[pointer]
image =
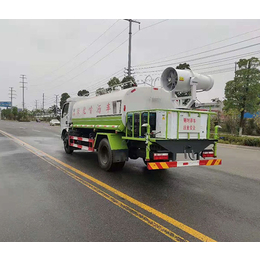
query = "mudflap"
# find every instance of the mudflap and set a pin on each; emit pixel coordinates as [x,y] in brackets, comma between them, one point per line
[120,155]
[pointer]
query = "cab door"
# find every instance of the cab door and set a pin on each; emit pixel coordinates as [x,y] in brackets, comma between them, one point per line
[64,123]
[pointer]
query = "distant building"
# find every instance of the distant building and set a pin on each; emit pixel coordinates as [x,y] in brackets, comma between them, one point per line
[215,106]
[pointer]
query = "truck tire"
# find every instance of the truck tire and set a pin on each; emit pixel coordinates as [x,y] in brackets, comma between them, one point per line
[105,157]
[68,149]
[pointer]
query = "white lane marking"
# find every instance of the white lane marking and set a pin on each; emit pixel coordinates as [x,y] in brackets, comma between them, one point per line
[21,127]
[36,130]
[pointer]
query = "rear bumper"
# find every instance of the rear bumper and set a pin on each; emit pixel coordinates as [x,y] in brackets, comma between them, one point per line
[167,165]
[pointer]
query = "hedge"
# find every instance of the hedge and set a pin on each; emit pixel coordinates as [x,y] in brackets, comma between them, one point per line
[239,140]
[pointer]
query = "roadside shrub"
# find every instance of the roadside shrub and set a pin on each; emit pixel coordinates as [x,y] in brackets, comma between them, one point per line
[251,141]
[239,140]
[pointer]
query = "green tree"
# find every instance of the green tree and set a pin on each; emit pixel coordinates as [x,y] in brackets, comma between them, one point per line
[231,121]
[7,114]
[15,112]
[37,112]
[83,92]
[243,92]
[183,66]
[23,116]
[112,82]
[53,109]
[129,85]
[101,91]
[64,97]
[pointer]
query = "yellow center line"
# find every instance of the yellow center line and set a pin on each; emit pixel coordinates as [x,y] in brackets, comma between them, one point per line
[147,208]
[120,204]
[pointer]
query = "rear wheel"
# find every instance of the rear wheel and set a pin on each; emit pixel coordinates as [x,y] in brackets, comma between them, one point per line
[68,149]
[105,157]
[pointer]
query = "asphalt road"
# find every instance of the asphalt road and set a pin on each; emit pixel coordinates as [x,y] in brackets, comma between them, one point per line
[47,195]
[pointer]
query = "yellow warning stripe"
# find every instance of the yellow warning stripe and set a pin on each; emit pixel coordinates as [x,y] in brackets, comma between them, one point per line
[164,165]
[217,162]
[209,162]
[154,166]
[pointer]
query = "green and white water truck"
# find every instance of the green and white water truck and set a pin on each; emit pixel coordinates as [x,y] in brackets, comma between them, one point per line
[143,122]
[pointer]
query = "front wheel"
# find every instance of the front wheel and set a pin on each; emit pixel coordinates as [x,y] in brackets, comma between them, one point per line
[68,149]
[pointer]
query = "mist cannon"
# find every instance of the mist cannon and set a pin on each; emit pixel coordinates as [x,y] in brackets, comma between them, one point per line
[182,80]
[175,80]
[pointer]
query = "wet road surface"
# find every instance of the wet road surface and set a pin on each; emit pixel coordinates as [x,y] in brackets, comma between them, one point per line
[47,195]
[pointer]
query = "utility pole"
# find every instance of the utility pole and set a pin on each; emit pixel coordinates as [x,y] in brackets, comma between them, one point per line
[43,102]
[12,95]
[23,77]
[130,41]
[56,110]
[36,104]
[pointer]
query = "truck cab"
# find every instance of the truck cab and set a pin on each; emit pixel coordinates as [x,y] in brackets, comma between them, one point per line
[66,115]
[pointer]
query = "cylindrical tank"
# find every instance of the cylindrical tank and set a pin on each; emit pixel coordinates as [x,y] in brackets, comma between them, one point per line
[180,80]
[109,110]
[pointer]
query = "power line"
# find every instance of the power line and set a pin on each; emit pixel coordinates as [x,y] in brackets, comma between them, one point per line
[213,55]
[200,68]
[205,63]
[111,51]
[225,46]
[219,71]
[87,58]
[154,24]
[102,81]
[228,58]
[80,51]
[93,64]
[103,78]
[174,55]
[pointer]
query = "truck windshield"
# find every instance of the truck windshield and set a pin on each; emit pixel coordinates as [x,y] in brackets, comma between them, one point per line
[65,109]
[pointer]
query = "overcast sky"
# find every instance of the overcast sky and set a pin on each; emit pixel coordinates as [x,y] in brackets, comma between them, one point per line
[43,51]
